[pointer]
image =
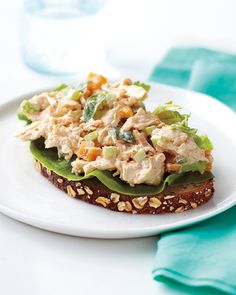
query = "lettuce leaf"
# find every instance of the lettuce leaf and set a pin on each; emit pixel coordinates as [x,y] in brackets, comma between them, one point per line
[183,126]
[169,105]
[198,166]
[23,117]
[168,113]
[28,107]
[117,133]
[49,159]
[203,142]
[143,85]
[60,87]
[92,105]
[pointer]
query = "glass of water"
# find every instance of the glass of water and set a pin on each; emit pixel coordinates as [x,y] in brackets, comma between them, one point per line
[62,37]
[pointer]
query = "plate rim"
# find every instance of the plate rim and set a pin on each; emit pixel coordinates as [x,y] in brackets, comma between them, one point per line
[109,234]
[117,233]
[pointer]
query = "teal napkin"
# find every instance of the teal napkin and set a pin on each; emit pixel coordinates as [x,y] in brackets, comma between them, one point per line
[202,257]
[199,69]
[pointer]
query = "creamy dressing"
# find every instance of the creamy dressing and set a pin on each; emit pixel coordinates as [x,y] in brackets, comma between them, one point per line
[120,121]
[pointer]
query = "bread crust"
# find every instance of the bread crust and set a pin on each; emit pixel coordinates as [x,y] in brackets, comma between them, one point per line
[174,199]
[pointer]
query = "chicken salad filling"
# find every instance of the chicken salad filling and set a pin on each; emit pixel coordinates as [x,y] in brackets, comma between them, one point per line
[105,126]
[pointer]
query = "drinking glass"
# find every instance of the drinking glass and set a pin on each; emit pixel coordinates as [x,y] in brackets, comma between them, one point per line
[62,36]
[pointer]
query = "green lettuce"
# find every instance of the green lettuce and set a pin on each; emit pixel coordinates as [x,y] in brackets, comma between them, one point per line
[198,166]
[203,142]
[146,87]
[60,87]
[183,126]
[28,107]
[21,116]
[49,159]
[168,113]
[72,91]
[117,133]
[92,106]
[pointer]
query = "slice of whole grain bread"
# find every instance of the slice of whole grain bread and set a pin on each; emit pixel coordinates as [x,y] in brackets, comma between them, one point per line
[174,199]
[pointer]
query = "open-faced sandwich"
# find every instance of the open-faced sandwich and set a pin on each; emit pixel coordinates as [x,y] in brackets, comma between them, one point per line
[96,142]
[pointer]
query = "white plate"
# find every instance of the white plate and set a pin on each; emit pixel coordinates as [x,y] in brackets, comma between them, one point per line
[30,198]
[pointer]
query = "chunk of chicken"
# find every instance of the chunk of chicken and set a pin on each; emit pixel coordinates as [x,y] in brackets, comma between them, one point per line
[111,118]
[100,164]
[78,166]
[54,105]
[125,88]
[149,171]
[141,139]
[140,120]
[190,151]
[127,151]
[63,106]
[177,142]
[104,137]
[168,138]
[135,91]
[65,138]
[33,131]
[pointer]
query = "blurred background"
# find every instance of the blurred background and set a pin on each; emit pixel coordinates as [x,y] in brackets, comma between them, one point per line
[44,42]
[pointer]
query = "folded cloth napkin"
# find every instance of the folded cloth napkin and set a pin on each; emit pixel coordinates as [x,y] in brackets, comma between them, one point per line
[203,255]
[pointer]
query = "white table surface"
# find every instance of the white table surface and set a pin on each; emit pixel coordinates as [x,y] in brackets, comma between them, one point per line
[34,261]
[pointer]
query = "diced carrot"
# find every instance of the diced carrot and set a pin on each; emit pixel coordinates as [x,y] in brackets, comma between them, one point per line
[83,150]
[208,167]
[93,153]
[207,153]
[125,112]
[92,86]
[95,81]
[96,78]
[87,93]
[103,80]
[173,167]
